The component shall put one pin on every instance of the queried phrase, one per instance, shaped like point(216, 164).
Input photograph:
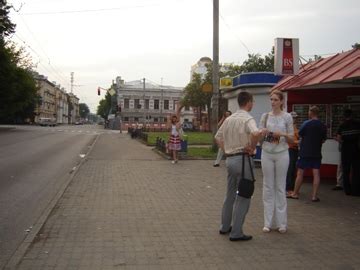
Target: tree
point(194, 96)
point(256, 63)
point(6, 26)
point(84, 110)
point(17, 85)
point(356, 46)
point(104, 107)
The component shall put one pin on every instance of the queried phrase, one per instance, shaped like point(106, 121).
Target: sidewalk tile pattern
point(127, 208)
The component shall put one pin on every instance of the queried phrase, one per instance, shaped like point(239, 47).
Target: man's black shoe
point(242, 238)
point(337, 188)
point(221, 232)
point(216, 165)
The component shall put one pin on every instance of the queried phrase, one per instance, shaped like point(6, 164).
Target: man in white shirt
point(236, 136)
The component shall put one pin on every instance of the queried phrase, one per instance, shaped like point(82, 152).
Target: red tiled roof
point(341, 66)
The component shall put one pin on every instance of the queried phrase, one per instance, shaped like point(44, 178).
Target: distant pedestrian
point(174, 144)
point(293, 157)
point(312, 135)
point(237, 136)
point(220, 153)
point(349, 135)
point(279, 130)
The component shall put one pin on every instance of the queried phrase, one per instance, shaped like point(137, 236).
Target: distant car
point(47, 122)
point(187, 126)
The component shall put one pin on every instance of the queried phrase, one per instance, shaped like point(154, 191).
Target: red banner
point(288, 58)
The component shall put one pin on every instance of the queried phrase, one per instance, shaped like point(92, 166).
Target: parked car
point(187, 126)
point(47, 122)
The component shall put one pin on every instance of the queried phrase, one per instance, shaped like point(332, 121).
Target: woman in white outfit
point(278, 127)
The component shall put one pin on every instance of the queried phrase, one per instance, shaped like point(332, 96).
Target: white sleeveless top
point(174, 131)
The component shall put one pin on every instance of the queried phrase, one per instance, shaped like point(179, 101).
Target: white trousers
point(274, 168)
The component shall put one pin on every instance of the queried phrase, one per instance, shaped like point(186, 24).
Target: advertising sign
point(226, 82)
point(286, 56)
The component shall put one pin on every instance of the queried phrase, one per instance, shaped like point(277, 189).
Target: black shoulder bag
point(246, 186)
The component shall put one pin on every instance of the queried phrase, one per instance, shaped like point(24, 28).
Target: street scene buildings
point(54, 103)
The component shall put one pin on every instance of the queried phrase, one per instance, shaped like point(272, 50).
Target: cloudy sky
point(161, 39)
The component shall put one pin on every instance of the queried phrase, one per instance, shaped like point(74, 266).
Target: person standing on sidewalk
point(313, 134)
point(293, 157)
point(349, 136)
point(237, 135)
point(220, 151)
point(279, 130)
point(174, 143)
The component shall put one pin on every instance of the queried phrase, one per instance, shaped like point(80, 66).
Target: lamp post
point(215, 97)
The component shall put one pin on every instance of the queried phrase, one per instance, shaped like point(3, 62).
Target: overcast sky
point(161, 39)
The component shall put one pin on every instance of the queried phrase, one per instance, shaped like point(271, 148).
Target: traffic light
point(98, 91)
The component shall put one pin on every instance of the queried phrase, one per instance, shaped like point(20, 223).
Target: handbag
point(246, 186)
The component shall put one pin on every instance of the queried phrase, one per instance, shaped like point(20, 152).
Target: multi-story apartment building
point(46, 107)
point(55, 103)
point(143, 102)
point(62, 106)
point(74, 113)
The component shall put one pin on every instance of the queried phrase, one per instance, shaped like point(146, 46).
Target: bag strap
point(251, 169)
point(266, 118)
point(243, 167)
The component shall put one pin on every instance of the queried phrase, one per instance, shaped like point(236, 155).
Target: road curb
point(16, 258)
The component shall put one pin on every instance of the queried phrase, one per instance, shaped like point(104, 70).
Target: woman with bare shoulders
point(174, 144)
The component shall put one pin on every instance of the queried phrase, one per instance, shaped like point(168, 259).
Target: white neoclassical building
point(143, 102)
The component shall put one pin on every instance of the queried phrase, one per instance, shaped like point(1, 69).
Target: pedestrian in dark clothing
point(293, 157)
point(313, 134)
point(349, 136)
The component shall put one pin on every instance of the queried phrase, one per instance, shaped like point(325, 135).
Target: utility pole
point(71, 81)
point(215, 97)
point(162, 102)
point(144, 101)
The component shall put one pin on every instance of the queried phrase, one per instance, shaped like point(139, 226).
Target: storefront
point(332, 84)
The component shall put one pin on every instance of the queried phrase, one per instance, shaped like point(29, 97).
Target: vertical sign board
point(286, 56)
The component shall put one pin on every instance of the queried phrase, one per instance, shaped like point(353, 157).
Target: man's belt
point(236, 154)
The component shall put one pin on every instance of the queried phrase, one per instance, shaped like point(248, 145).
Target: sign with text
point(286, 56)
point(226, 82)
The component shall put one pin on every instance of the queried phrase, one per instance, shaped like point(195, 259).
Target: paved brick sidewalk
point(127, 208)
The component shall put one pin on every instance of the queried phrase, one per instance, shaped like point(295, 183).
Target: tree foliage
point(83, 110)
point(195, 97)
point(6, 26)
point(104, 106)
point(17, 85)
point(356, 46)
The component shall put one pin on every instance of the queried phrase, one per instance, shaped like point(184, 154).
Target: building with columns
point(144, 102)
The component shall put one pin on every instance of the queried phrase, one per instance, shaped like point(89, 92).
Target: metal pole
point(144, 102)
point(215, 97)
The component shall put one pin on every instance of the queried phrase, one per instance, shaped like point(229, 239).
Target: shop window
point(126, 103)
point(126, 119)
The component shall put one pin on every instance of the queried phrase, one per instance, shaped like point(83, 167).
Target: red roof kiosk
point(333, 84)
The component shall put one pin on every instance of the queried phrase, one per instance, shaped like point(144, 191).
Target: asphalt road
point(35, 162)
